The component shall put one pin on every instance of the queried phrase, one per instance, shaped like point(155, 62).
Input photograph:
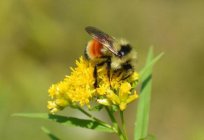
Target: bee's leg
point(108, 68)
point(129, 70)
point(95, 74)
point(117, 72)
point(128, 75)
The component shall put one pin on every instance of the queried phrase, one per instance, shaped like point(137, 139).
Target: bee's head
point(124, 50)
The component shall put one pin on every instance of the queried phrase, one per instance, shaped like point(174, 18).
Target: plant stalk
point(115, 125)
point(123, 125)
point(94, 118)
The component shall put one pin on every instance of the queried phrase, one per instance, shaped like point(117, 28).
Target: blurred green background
point(40, 40)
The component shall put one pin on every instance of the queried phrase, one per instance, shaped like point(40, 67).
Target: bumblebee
point(118, 55)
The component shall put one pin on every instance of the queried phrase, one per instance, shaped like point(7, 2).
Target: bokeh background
point(40, 40)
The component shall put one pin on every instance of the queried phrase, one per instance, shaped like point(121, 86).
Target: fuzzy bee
point(118, 55)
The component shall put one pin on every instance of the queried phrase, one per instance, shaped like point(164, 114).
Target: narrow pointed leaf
point(142, 116)
point(143, 108)
point(68, 121)
point(150, 64)
point(50, 135)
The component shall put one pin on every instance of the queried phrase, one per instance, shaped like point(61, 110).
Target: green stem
point(123, 125)
point(115, 124)
point(94, 118)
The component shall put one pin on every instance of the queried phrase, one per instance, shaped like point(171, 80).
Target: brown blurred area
point(40, 40)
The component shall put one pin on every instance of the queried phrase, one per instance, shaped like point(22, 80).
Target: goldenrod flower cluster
point(78, 88)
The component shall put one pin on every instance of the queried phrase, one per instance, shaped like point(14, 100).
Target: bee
point(118, 55)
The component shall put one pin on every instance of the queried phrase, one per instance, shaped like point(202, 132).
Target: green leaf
point(68, 121)
point(51, 136)
point(150, 64)
point(143, 108)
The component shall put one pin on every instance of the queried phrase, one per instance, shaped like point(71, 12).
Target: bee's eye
point(125, 49)
point(120, 53)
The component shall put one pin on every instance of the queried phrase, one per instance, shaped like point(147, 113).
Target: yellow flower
point(78, 88)
point(124, 89)
point(74, 89)
point(102, 89)
point(134, 77)
point(123, 97)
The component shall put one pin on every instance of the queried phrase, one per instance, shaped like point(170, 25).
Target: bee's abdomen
point(93, 50)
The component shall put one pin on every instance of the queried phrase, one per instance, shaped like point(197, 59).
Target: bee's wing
point(103, 38)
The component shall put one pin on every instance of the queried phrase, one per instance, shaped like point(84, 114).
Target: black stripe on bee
point(127, 66)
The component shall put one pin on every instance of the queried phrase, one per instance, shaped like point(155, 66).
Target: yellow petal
point(122, 106)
